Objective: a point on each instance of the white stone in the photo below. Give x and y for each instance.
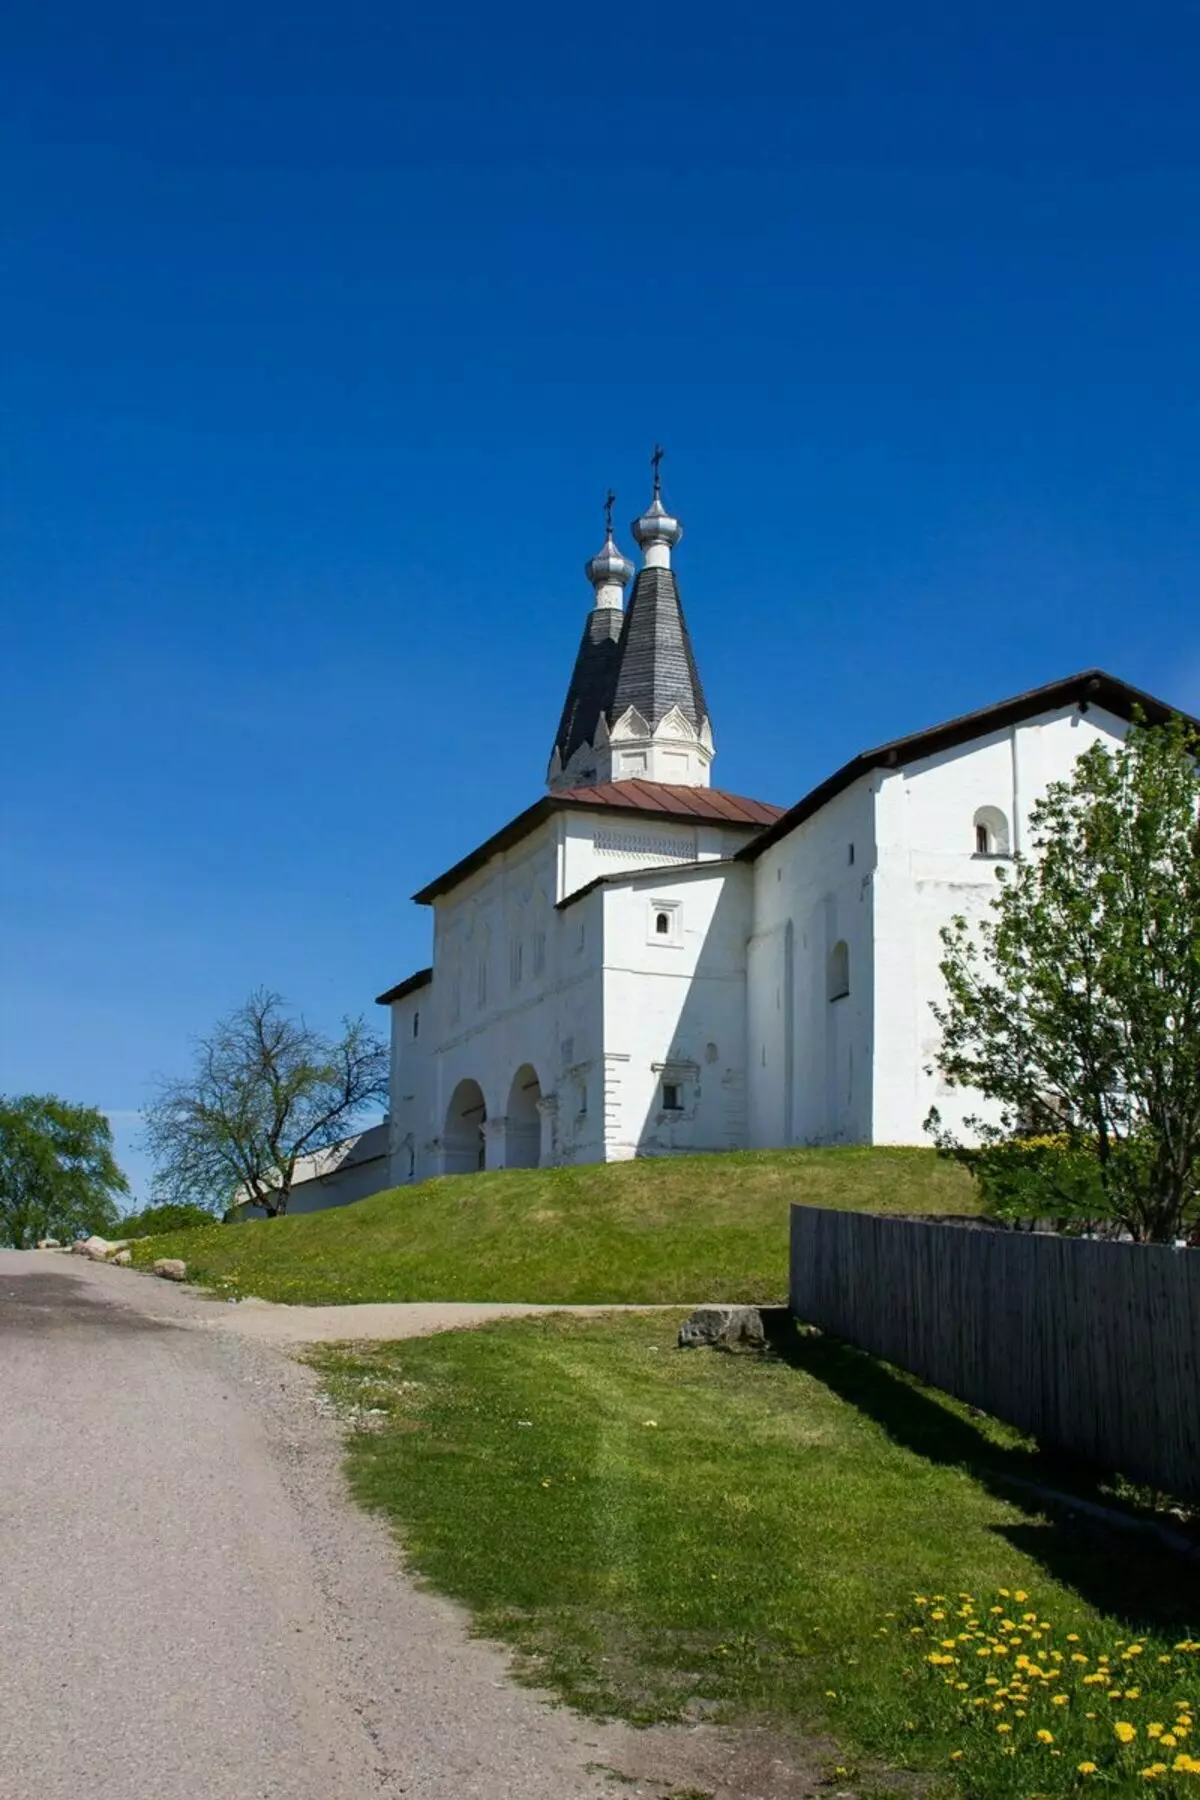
(171, 1268)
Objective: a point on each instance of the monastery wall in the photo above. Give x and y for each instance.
(674, 1011)
(810, 979)
(930, 868)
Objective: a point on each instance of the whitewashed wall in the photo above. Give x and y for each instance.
(809, 1055)
(674, 1011)
(928, 871)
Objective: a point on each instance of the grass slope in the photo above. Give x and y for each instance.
(666, 1534)
(664, 1229)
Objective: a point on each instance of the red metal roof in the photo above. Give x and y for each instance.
(652, 799)
(686, 802)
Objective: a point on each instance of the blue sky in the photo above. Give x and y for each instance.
(325, 330)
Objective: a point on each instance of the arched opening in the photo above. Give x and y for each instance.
(839, 970)
(991, 832)
(523, 1121)
(662, 924)
(462, 1135)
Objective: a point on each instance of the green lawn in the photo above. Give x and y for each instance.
(662, 1229)
(788, 1538)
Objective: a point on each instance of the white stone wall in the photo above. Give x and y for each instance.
(927, 871)
(675, 1012)
(809, 1053)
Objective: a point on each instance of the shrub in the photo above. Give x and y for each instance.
(170, 1215)
(1053, 1176)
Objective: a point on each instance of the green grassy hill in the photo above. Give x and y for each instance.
(675, 1230)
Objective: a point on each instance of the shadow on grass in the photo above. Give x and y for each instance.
(1120, 1570)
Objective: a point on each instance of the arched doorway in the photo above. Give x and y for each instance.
(523, 1121)
(462, 1135)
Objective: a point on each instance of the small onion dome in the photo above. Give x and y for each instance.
(656, 526)
(608, 565)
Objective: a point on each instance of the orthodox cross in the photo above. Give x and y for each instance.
(654, 462)
(609, 502)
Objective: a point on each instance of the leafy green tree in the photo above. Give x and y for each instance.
(1076, 1005)
(58, 1175)
(265, 1089)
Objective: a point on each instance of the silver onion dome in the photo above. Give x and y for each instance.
(608, 564)
(656, 525)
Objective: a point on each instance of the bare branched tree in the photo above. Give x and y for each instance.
(265, 1089)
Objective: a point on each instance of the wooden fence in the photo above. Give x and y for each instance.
(1092, 1348)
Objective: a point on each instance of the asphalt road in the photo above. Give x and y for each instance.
(190, 1606)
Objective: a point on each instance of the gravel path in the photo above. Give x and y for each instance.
(193, 1609)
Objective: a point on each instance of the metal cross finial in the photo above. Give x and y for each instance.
(655, 460)
(610, 500)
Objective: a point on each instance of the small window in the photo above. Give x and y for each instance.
(663, 922)
(672, 1097)
(416, 1024)
(991, 832)
(850, 858)
(839, 970)
(582, 1098)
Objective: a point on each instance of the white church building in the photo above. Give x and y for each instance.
(642, 964)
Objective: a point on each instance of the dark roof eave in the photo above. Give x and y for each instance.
(500, 840)
(625, 876)
(1095, 686)
(402, 989)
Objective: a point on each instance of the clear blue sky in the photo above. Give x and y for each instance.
(325, 329)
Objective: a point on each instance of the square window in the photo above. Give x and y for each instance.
(672, 1093)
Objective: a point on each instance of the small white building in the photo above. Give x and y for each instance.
(337, 1175)
(641, 964)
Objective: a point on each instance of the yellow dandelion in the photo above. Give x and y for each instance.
(1002, 1729)
(1086, 1768)
(1124, 1732)
(1061, 1700)
(1044, 1736)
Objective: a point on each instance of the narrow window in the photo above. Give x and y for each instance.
(982, 840)
(850, 859)
(582, 1098)
(672, 1097)
(416, 1024)
(662, 924)
(839, 970)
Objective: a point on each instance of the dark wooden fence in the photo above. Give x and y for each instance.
(1092, 1348)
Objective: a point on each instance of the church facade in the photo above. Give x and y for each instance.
(641, 964)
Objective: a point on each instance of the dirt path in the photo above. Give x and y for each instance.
(266, 1323)
(192, 1607)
